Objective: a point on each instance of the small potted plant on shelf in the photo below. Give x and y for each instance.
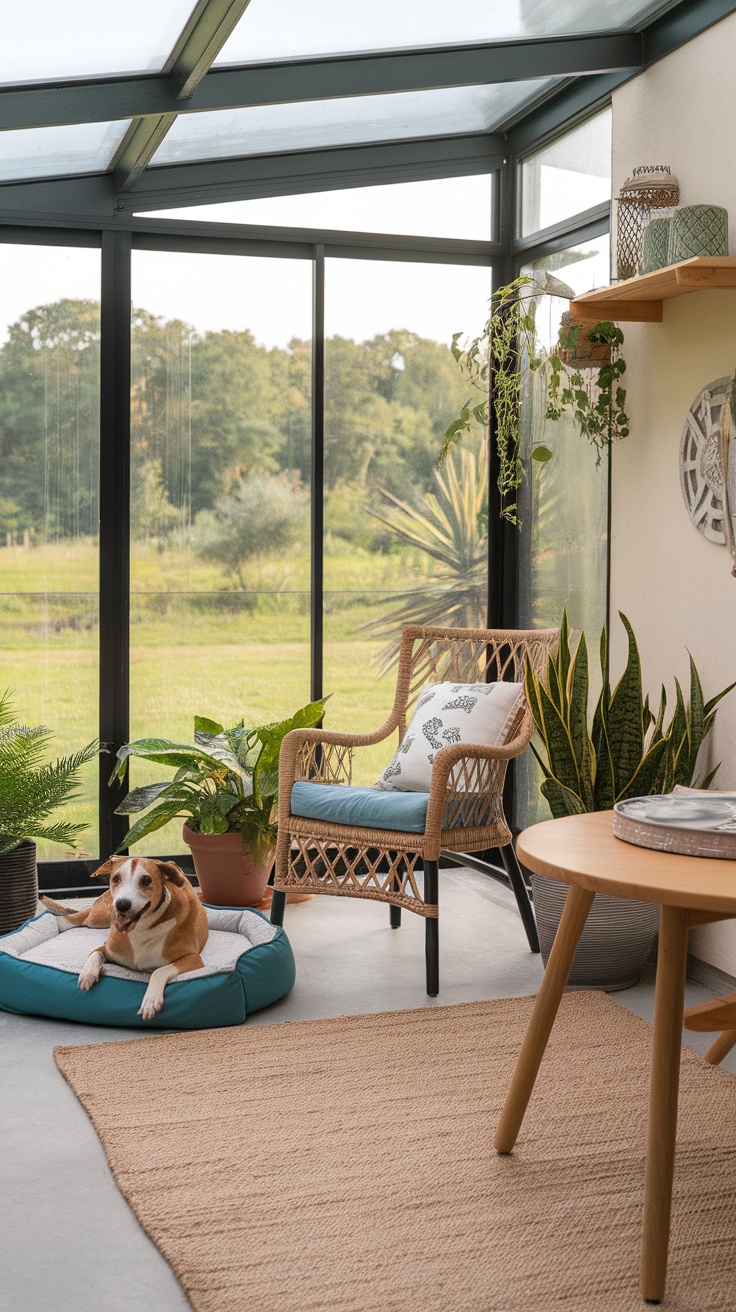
(226, 785)
(30, 789)
(627, 751)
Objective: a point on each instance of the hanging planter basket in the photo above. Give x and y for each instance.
(574, 346)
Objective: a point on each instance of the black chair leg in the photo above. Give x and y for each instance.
(394, 916)
(432, 928)
(513, 870)
(278, 904)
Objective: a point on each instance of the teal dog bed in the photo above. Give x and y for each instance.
(248, 964)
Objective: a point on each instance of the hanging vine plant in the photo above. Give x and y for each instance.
(492, 365)
(596, 402)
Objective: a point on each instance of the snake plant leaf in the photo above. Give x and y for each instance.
(625, 718)
(542, 764)
(657, 732)
(531, 688)
(577, 702)
(645, 777)
(709, 706)
(560, 751)
(562, 801)
(553, 685)
(563, 649)
(708, 780)
(603, 788)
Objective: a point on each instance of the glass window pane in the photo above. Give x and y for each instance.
(61, 151)
(221, 435)
(444, 207)
(568, 176)
(317, 124)
(57, 39)
(564, 506)
(289, 29)
(391, 389)
(49, 457)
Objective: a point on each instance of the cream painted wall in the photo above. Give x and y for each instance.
(674, 585)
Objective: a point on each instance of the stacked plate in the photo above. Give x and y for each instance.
(688, 821)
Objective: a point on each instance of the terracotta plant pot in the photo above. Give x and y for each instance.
(226, 871)
(18, 886)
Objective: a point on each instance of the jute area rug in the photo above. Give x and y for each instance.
(347, 1165)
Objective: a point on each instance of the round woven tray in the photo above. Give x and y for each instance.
(673, 838)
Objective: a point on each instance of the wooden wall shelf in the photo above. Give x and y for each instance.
(640, 300)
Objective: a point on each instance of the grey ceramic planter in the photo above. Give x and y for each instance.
(615, 943)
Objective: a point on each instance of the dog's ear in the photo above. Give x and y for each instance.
(104, 869)
(171, 873)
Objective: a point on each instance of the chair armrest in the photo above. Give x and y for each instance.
(324, 755)
(464, 769)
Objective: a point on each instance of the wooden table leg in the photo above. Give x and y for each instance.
(574, 916)
(663, 1091)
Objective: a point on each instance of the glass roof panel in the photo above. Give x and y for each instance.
(567, 177)
(442, 207)
(61, 152)
(291, 29)
(318, 124)
(58, 39)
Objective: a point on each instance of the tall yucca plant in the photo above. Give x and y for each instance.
(31, 789)
(451, 526)
(628, 751)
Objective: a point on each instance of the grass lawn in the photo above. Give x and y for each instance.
(194, 650)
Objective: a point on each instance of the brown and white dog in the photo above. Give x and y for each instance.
(156, 923)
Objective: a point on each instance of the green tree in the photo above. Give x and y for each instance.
(258, 517)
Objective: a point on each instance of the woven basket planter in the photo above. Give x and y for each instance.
(18, 886)
(615, 943)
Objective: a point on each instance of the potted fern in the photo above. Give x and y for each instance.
(225, 788)
(30, 789)
(627, 751)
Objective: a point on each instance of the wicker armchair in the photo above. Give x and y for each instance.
(465, 809)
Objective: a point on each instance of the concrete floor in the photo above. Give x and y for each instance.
(69, 1241)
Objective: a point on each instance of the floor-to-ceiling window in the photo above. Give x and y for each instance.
(49, 456)
(564, 502)
(220, 494)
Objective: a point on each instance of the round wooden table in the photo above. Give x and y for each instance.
(581, 851)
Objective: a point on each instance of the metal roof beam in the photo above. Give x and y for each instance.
(106, 99)
(244, 179)
(314, 170)
(207, 30)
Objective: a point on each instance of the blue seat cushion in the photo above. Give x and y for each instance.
(365, 808)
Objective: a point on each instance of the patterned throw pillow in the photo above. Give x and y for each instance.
(482, 713)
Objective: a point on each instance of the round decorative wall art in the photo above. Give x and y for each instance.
(702, 464)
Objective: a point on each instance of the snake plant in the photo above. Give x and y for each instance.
(628, 751)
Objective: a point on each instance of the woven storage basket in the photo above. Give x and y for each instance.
(650, 193)
(615, 942)
(18, 886)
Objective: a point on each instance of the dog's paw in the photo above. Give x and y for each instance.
(151, 1005)
(89, 976)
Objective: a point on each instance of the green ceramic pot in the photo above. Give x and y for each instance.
(698, 230)
(655, 245)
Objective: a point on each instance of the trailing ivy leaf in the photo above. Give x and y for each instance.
(541, 454)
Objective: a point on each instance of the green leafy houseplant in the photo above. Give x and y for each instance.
(598, 406)
(31, 788)
(627, 751)
(226, 781)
